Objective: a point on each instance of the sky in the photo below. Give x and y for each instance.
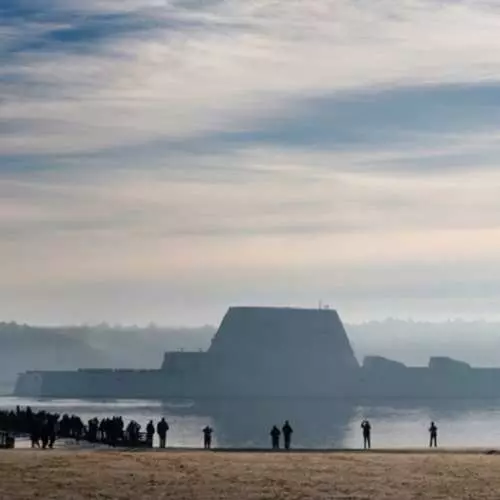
(161, 160)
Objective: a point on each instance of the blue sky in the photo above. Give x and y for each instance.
(162, 160)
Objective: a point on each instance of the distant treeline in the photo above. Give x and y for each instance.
(24, 347)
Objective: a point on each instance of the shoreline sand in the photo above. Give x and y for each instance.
(191, 474)
(72, 447)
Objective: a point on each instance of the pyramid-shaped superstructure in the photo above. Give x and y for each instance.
(281, 351)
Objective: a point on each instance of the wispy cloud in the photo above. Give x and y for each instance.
(101, 76)
(168, 143)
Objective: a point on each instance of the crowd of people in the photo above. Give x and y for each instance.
(44, 428)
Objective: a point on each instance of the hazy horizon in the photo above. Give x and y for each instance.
(161, 160)
(155, 325)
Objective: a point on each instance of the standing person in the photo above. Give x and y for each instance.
(130, 431)
(78, 428)
(287, 434)
(94, 428)
(367, 431)
(150, 432)
(162, 429)
(45, 433)
(52, 430)
(35, 431)
(433, 431)
(207, 437)
(275, 438)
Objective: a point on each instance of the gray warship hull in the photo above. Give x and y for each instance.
(271, 352)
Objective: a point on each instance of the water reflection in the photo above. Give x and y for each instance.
(317, 423)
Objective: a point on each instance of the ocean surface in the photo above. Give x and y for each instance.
(317, 423)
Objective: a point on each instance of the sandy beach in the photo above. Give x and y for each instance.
(62, 474)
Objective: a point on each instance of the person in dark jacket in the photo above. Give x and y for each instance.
(35, 431)
(433, 431)
(52, 429)
(45, 433)
(150, 432)
(367, 432)
(162, 429)
(287, 434)
(275, 438)
(207, 437)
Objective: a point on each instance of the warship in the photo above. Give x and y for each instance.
(264, 352)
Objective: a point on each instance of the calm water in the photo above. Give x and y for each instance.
(317, 423)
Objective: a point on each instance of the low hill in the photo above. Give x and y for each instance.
(24, 347)
(28, 348)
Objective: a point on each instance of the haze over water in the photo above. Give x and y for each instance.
(317, 424)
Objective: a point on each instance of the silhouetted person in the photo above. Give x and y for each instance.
(45, 434)
(287, 434)
(150, 432)
(133, 432)
(35, 431)
(433, 431)
(65, 426)
(275, 438)
(52, 430)
(162, 429)
(207, 437)
(367, 431)
(77, 427)
(93, 427)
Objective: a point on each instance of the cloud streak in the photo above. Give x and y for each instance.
(159, 71)
(264, 145)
